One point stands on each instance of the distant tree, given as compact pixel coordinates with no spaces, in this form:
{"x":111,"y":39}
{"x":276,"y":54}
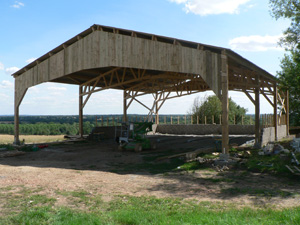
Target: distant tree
{"x":211,"y":107}
{"x":290,"y":65}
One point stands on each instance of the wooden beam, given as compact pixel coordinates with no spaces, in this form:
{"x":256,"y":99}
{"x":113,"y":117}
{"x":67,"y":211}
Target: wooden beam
{"x":287,"y":113}
{"x":80,"y":112}
{"x":250,"y":97}
{"x":19,"y":96}
{"x":225,"y":103}
{"x":125,"y":119}
{"x":266,"y":97}
{"x":257,"y":114}
{"x":275,"y":122}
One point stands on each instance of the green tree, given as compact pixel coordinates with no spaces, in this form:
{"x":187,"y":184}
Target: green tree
{"x":289,"y":75}
{"x":211,"y":108}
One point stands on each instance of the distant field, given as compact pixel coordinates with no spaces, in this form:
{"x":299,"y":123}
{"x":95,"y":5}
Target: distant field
{"x":8,"y":139}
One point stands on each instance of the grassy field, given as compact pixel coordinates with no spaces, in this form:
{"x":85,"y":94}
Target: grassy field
{"x":21,"y":205}
{"x":9,"y":139}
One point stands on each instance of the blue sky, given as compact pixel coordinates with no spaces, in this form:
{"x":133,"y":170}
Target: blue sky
{"x":31,"y":28}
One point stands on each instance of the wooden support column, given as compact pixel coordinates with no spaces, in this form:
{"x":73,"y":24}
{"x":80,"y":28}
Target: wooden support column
{"x":275,"y":117}
{"x":17,"y":122}
{"x":125,"y":119}
{"x":156,"y":112}
{"x":287,"y":113}
{"x":225,"y":104}
{"x":80,"y":111}
{"x":19,"y":95}
{"x":257,"y":114}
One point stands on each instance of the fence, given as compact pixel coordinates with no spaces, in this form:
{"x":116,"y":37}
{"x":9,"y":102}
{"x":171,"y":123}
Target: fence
{"x":266,"y":120}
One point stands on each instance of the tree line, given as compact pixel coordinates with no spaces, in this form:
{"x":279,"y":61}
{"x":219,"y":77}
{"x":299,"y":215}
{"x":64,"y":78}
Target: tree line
{"x":42,"y":128}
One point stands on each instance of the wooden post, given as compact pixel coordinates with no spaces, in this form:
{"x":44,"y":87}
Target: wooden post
{"x":165,"y":120}
{"x":113,"y":120}
{"x":102,"y":122}
{"x":287,"y":116}
{"x":107,"y":120}
{"x":212,"y":119}
{"x":80,"y":111}
{"x":205,"y":120}
{"x":96,"y":122}
{"x":125,"y":119}
{"x":19,"y":95}
{"x":275,"y":122}
{"x":257,"y":114}
{"x":185,"y":119}
{"x":156,"y":112}
{"x":225,"y":103}
{"x":17,"y":122}
{"x":171,"y":120}
{"x":197,"y":119}
{"x":178,"y":120}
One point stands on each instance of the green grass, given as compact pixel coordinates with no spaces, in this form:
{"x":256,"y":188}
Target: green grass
{"x":273,"y":164}
{"x":258,"y":192}
{"x":150,"y":210}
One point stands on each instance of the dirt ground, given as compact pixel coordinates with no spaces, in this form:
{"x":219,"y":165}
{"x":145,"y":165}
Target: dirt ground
{"x":100,"y":168}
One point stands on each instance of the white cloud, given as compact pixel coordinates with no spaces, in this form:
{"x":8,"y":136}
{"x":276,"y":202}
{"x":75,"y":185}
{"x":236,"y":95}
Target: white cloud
{"x":1,"y":66}
{"x":208,"y":7}
{"x":255,"y":43}
{"x":6,"y":84}
{"x":31,"y":60}
{"x":11,"y":70}
{"x":18,"y":5}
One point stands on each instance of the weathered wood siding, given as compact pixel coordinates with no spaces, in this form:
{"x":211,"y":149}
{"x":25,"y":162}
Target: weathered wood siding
{"x":104,"y":49}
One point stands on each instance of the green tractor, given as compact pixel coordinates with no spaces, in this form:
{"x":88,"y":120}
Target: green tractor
{"x":132,"y":136}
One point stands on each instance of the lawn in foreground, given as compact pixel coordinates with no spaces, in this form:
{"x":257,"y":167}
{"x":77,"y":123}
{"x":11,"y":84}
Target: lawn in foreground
{"x":85,"y":208}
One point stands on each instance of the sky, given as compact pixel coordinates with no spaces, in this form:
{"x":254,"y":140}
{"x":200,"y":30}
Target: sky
{"x":31,"y":28}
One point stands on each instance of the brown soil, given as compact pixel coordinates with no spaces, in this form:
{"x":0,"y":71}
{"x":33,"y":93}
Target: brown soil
{"x":100,"y":168}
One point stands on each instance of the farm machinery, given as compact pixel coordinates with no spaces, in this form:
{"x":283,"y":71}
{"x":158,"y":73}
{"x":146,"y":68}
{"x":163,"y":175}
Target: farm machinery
{"x":132,"y":136}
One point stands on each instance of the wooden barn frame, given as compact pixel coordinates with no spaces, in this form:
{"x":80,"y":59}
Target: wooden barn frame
{"x":138,"y":63}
